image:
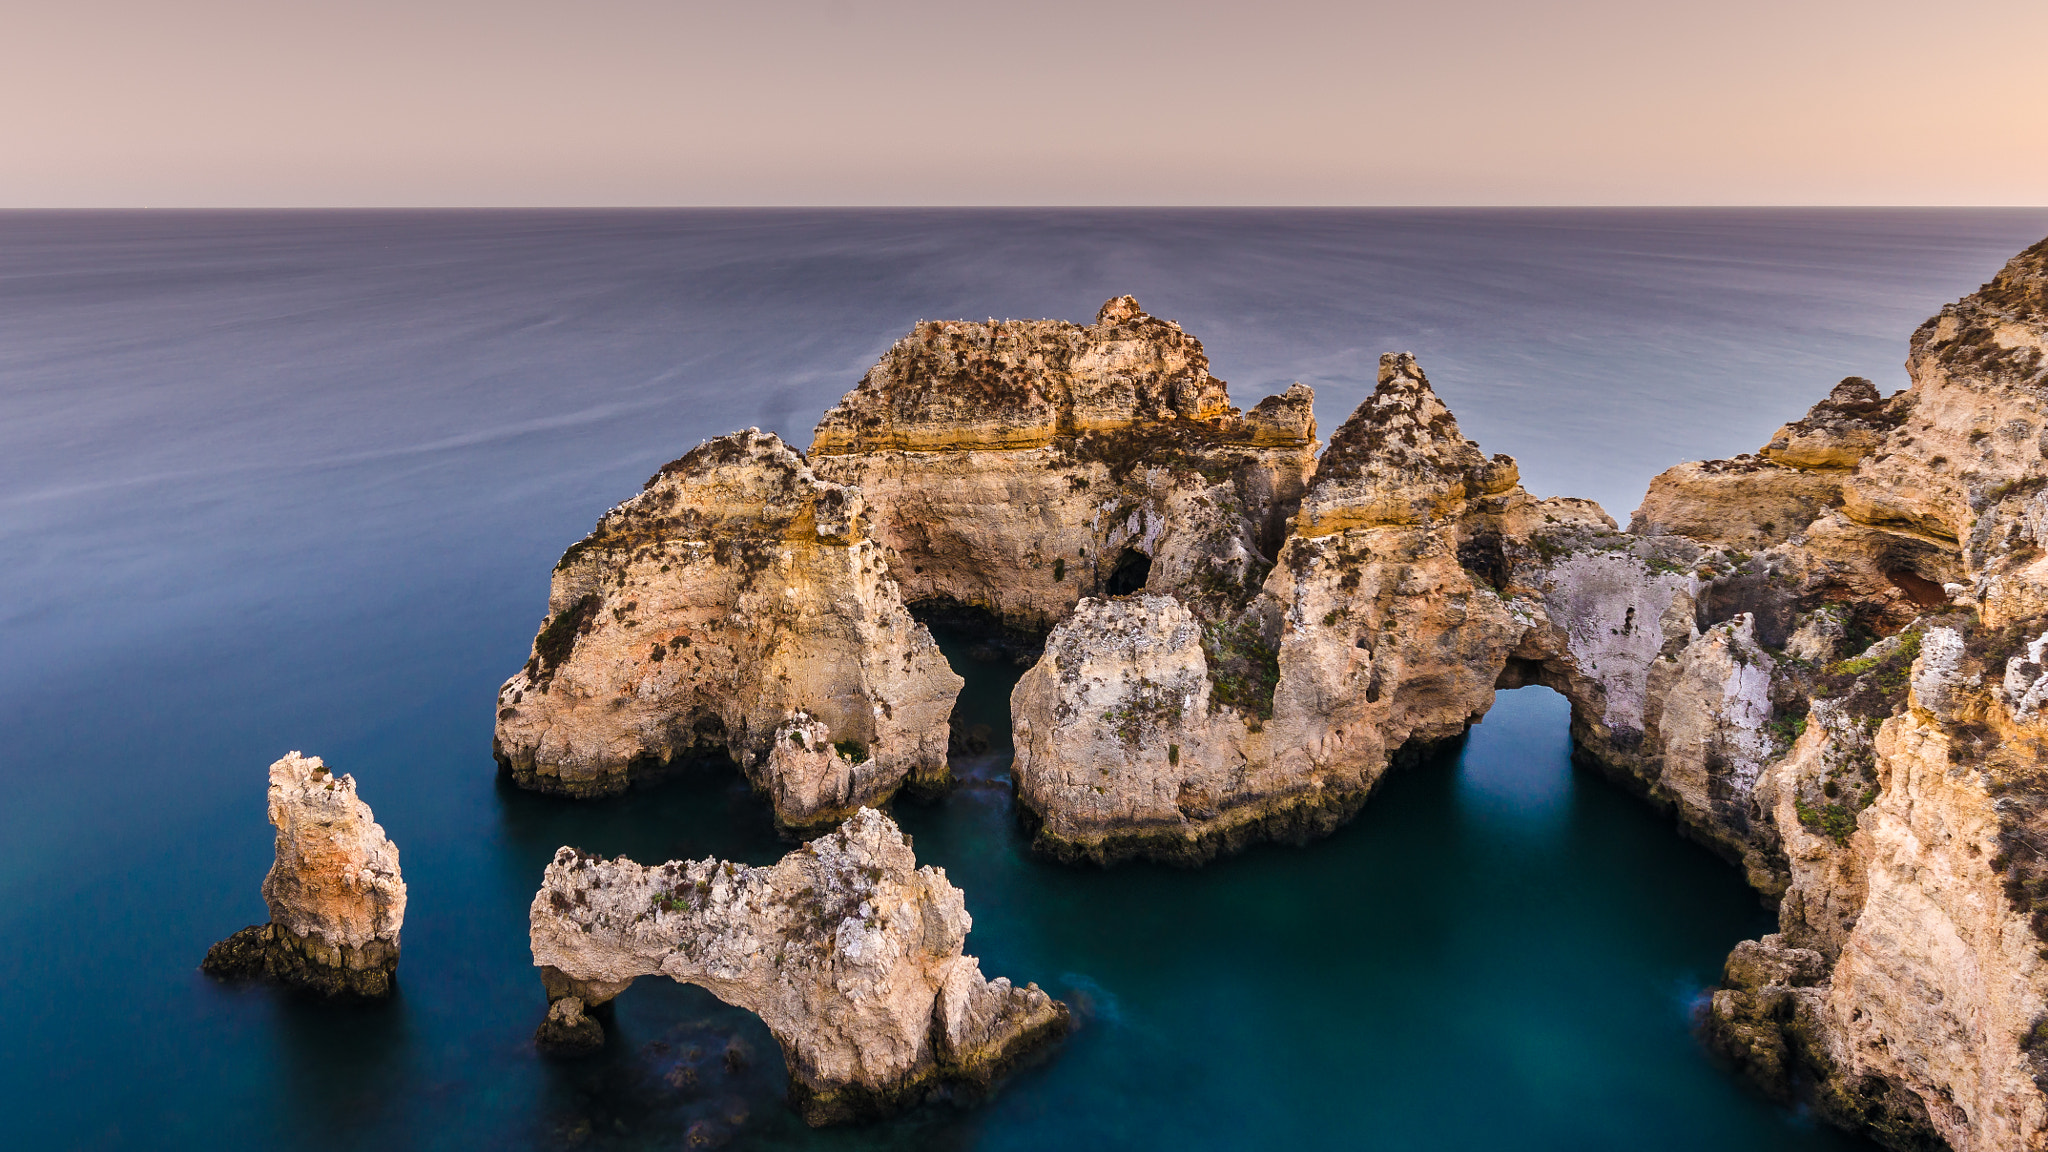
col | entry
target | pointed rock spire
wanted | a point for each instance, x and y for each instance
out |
(1399, 459)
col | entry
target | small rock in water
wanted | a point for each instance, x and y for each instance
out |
(567, 1031)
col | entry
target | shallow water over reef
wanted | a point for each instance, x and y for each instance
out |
(275, 481)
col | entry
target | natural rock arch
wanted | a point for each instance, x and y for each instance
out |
(846, 949)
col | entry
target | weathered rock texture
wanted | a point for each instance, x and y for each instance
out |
(335, 894)
(850, 952)
(737, 606)
(1014, 467)
(1394, 610)
(1826, 660)
(1891, 792)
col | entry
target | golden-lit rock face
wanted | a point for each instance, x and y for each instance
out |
(1400, 461)
(1014, 467)
(736, 594)
(850, 952)
(336, 898)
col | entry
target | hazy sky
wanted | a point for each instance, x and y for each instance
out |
(527, 102)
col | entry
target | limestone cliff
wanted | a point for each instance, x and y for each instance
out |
(1015, 467)
(738, 605)
(336, 898)
(1898, 804)
(850, 952)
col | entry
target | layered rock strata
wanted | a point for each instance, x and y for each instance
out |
(336, 898)
(850, 952)
(738, 606)
(1014, 467)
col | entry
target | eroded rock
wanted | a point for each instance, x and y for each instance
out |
(850, 952)
(735, 602)
(1014, 467)
(336, 898)
(1152, 729)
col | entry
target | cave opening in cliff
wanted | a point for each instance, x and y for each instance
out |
(1132, 570)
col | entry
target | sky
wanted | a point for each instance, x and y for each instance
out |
(231, 103)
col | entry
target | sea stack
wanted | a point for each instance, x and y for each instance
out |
(850, 952)
(336, 898)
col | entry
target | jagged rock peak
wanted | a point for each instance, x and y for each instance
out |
(954, 385)
(1118, 309)
(1997, 331)
(848, 950)
(336, 898)
(736, 593)
(2020, 290)
(1399, 459)
(1840, 430)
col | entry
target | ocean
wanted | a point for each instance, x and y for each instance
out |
(295, 480)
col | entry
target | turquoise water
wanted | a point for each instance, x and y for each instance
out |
(296, 481)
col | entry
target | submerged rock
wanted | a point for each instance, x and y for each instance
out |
(336, 898)
(736, 604)
(850, 952)
(567, 1031)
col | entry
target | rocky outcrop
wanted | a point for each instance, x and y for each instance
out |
(1014, 467)
(1825, 659)
(1900, 798)
(850, 952)
(1401, 597)
(1754, 501)
(737, 606)
(336, 898)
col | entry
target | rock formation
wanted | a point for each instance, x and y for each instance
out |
(1828, 660)
(335, 895)
(850, 952)
(1014, 467)
(1395, 608)
(1892, 794)
(737, 606)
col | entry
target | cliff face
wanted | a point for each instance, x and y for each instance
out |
(737, 605)
(1015, 467)
(1900, 792)
(336, 898)
(850, 952)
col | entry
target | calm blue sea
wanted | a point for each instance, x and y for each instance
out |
(275, 481)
